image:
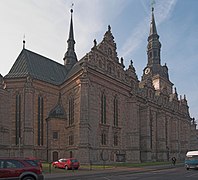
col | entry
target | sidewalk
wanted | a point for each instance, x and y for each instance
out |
(114, 170)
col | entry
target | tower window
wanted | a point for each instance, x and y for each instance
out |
(155, 53)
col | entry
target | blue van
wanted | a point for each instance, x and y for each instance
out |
(191, 160)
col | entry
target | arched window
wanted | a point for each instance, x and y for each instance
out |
(40, 121)
(115, 111)
(103, 108)
(115, 139)
(71, 111)
(71, 139)
(103, 138)
(18, 119)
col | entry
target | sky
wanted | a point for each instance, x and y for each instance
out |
(44, 24)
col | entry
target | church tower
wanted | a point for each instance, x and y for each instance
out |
(70, 57)
(154, 70)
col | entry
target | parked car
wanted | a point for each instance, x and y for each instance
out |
(70, 163)
(20, 168)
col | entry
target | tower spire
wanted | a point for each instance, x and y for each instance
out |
(70, 57)
(153, 29)
(154, 69)
(154, 45)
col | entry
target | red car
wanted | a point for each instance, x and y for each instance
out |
(67, 164)
(20, 168)
(36, 160)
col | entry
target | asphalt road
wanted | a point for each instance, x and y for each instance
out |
(172, 173)
(167, 174)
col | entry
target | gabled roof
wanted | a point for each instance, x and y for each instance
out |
(39, 67)
(58, 111)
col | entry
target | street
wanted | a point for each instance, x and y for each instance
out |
(176, 173)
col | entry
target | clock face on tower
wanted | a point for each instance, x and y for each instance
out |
(147, 70)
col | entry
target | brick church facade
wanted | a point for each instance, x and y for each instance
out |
(94, 108)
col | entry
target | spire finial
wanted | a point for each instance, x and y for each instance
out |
(109, 28)
(72, 8)
(24, 41)
(152, 5)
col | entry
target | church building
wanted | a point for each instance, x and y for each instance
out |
(94, 109)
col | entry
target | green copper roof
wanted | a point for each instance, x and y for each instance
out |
(39, 67)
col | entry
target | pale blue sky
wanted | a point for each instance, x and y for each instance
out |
(45, 24)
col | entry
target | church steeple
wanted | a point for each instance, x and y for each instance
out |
(154, 70)
(70, 57)
(154, 45)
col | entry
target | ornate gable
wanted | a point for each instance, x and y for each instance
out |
(108, 46)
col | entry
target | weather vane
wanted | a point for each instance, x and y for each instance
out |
(72, 7)
(24, 41)
(152, 4)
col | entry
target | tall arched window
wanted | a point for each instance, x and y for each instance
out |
(103, 108)
(115, 111)
(103, 138)
(115, 139)
(18, 119)
(71, 139)
(40, 121)
(71, 111)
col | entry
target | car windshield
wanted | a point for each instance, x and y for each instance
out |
(74, 160)
(195, 157)
(32, 162)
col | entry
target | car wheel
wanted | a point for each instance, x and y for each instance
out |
(54, 166)
(28, 178)
(66, 168)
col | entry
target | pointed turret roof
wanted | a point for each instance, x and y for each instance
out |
(58, 111)
(70, 57)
